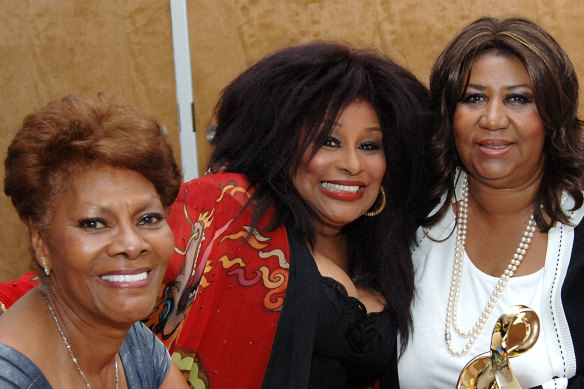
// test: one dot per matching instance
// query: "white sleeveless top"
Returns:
(427, 363)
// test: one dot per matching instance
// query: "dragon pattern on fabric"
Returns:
(225, 285)
(219, 304)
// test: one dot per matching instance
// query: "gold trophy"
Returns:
(516, 332)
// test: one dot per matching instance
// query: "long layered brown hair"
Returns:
(556, 96)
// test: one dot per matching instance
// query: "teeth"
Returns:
(125, 277)
(495, 147)
(340, 188)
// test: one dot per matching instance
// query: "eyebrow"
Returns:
(371, 128)
(510, 87)
(141, 207)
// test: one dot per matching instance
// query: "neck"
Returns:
(493, 201)
(327, 231)
(94, 346)
(332, 247)
(497, 218)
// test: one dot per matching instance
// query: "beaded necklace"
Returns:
(455, 283)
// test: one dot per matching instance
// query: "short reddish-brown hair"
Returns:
(74, 133)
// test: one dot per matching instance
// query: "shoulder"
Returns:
(17, 371)
(575, 232)
(141, 338)
(145, 357)
(567, 204)
(427, 237)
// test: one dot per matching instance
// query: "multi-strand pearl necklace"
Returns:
(68, 346)
(455, 283)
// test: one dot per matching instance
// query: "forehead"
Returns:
(105, 186)
(358, 112)
(499, 68)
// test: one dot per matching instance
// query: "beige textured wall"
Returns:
(53, 47)
(229, 35)
(50, 48)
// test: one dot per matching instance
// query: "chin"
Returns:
(132, 311)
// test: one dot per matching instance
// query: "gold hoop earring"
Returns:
(381, 206)
(46, 269)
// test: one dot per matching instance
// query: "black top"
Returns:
(351, 346)
(326, 339)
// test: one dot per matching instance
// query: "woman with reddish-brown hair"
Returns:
(93, 181)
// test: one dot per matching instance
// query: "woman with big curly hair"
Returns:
(295, 246)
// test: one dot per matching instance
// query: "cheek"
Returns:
(316, 166)
(70, 250)
(463, 121)
(308, 173)
(537, 143)
(532, 130)
(457, 128)
(535, 127)
(462, 136)
(377, 169)
(164, 244)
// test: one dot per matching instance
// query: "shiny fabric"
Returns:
(145, 361)
(239, 280)
(17, 371)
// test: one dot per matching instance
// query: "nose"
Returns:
(128, 242)
(350, 161)
(495, 116)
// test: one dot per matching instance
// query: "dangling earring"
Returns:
(381, 206)
(46, 269)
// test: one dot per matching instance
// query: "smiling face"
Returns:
(108, 244)
(341, 182)
(498, 131)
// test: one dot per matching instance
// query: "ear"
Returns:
(39, 246)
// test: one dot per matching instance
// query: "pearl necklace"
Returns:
(455, 283)
(68, 346)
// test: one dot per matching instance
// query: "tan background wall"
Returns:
(51, 48)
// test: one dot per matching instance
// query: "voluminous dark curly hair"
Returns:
(285, 104)
(556, 96)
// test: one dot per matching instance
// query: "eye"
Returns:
(518, 99)
(150, 219)
(92, 224)
(331, 141)
(474, 98)
(370, 146)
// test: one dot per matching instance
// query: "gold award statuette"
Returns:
(516, 332)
